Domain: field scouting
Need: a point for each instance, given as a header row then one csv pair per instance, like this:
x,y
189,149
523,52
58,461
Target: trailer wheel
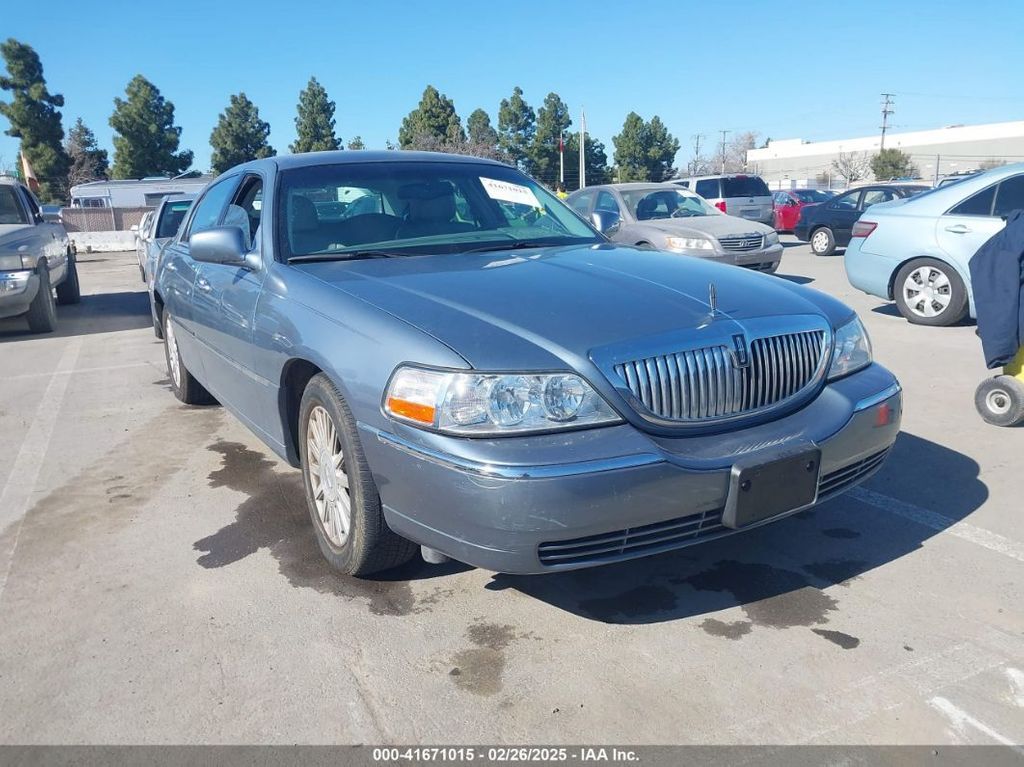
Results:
x,y
1000,400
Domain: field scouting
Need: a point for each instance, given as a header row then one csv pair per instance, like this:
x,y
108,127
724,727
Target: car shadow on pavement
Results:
x,y
97,313
890,310
780,575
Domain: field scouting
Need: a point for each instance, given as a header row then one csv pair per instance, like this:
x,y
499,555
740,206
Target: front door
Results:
x,y
967,226
843,213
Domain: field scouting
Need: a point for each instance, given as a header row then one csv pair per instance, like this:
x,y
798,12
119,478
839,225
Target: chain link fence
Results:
x,y
102,219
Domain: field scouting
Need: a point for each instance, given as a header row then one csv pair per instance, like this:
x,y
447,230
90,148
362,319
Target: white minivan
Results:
x,y
736,194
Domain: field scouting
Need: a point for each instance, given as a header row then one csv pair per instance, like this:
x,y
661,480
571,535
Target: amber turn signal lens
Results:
x,y
411,410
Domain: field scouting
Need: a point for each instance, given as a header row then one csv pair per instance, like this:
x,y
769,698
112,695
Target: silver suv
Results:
x,y
736,194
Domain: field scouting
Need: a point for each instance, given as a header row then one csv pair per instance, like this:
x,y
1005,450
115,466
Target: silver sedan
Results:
x,y
666,217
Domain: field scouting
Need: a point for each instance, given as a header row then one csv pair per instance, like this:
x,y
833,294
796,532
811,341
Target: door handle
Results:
x,y
958,229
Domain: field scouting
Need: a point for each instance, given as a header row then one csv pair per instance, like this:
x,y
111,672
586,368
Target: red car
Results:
x,y
790,202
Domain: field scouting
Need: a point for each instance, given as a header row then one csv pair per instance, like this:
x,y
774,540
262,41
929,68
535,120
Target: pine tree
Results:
x,y
88,161
662,148
34,118
517,126
434,118
356,143
892,163
644,151
240,135
552,122
595,158
480,130
314,123
147,139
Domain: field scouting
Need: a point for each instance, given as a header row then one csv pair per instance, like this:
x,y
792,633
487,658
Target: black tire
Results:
x,y
1000,400
184,385
370,545
823,242
955,309
70,291
42,312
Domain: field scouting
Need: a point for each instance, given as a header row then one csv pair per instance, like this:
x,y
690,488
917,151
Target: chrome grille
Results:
x,y
742,242
704,384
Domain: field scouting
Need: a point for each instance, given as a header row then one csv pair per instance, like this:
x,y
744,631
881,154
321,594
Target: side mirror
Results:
x,y
222,245
606,221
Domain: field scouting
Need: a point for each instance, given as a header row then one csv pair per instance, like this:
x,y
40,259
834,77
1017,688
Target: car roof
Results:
x,y
717,175
352,156
10,181
627,186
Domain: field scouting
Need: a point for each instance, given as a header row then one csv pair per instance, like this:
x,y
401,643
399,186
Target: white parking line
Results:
x,y
960,719
29,462
964,530
1016,677
75,371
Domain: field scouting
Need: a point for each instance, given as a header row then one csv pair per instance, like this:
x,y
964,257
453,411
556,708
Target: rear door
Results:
x,y
747,197
969,224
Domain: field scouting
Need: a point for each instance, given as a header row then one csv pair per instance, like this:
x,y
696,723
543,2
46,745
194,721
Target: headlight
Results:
x,y
690,243
14,282
477,404
852,350
772,238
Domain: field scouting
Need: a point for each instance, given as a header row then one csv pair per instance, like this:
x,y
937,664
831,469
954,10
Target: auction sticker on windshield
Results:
x,y
507,192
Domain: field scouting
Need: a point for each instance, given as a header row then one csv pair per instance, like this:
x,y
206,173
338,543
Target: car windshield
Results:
x,y
418,208
811,195
171,218
744,186
661,202
10,211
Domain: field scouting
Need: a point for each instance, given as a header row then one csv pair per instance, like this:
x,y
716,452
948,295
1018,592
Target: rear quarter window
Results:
x,y
708,188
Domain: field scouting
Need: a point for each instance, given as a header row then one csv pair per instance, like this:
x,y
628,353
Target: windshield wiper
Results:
x,y
517,245
348,255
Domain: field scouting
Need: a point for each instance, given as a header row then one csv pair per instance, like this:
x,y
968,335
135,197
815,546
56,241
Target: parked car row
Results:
x,y
449,365
36,260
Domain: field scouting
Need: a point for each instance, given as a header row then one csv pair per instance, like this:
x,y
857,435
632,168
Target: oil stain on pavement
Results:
x,y
479,669
274,517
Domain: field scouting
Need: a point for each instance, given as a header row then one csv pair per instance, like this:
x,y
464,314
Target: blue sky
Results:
x,y
785,69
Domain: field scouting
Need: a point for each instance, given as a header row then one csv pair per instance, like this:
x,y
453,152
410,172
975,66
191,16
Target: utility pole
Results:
x,y
696,153
583,143
887,109
724,134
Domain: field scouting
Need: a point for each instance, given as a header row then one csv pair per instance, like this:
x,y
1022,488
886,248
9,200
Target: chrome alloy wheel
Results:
x,y
927,291
172,351
325,461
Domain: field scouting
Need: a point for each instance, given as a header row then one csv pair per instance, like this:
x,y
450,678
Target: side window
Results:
x,y
581,203
209,208
846,201
875,196
979,204
606,202
30,203
708,188
11,211
246,207
1010,196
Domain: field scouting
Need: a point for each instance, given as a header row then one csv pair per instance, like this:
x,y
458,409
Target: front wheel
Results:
x,y
1000,400
340,492
823,243
42,312
930,292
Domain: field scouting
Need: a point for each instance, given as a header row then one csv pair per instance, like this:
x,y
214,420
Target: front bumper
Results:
x,y
16,300
627,494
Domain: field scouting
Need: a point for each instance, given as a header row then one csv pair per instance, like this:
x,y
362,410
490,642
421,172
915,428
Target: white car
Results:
x,y
916,251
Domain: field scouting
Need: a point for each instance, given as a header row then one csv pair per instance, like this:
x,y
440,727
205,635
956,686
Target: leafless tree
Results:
x,y
430,143
991,163
735,159
852,166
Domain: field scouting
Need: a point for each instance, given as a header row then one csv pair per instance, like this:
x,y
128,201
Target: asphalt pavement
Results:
x,y
160,583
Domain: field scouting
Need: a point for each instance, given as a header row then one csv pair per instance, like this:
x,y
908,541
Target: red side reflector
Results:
x,y
883,416
863,228
721,206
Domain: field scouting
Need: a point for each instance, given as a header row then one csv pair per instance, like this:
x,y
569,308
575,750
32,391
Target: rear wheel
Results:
x,y
69,291
42,312
183,383
340,492
823,243
930,292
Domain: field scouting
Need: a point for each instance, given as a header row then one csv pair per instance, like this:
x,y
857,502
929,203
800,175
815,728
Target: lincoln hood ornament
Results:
x,y
712,298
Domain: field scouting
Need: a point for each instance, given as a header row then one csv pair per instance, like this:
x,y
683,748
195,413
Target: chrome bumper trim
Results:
x,y
876,399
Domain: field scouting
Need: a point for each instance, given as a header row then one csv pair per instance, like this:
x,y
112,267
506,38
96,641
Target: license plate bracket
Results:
x,y
764,487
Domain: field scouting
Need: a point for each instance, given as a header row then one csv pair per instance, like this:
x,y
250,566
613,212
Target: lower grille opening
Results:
x,y
682,531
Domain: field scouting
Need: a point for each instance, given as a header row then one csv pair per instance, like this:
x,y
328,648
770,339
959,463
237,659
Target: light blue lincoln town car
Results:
x,y
460,364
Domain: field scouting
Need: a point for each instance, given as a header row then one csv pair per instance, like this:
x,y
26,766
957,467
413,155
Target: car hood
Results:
x,y
716,226
14,239
10,233
552,307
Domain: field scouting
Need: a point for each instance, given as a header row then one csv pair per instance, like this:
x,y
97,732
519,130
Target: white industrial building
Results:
x,y
792,163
